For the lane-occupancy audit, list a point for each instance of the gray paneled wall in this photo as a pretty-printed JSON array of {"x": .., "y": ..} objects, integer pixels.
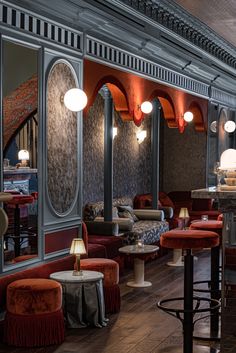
[
  {"x": 184, "y": 162},
  {"x": 131, "y": 161}
]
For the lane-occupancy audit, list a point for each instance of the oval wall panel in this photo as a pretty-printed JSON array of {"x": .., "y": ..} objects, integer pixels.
[{"x": 62, "y": 154}]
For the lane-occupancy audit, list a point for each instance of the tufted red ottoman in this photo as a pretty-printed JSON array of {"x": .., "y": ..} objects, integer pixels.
[
  {"x": 110, "y": 270},
  {"x": 34, "y": 316}
]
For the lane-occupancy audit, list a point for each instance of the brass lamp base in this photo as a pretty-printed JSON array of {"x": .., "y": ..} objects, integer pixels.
[{"x": 77, "y": 273}]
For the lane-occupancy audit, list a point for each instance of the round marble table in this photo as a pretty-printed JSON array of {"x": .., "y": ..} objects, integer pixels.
[{"x": 139, "y": 254}]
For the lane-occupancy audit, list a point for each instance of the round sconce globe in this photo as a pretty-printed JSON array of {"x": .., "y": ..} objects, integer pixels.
[
  {"x": 146, "y": 107},
  {"x": 75, "y": 99},
  {"x": 188, "y": 116},
  {"x": 213, "y": 126},
  {"x": 230, "y": 126}
]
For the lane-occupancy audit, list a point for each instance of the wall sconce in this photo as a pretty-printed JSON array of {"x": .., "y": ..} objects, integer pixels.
[
  {"x": 230, "y": 126},
  {"x": 213, "y": 126},
  {"x": 141, "y": 135},
  {"x": 188, "y": 116},
  {"x": 114, "y": 132},
  {"x": 146, "y": 107},
  {"x": 77, "y": 248},
  {"x": 23, "y": 155},
  {"x": 75, "y": 99}
]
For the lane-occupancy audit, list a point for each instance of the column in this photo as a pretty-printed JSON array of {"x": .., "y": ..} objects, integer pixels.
[{"x": 155, "y": 141}]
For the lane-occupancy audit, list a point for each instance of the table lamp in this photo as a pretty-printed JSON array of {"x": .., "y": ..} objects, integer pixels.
[
  {"x": 184, "y": 215},
  {"x": 77, "y": 248},
  {"x": 23, "y": 155}
]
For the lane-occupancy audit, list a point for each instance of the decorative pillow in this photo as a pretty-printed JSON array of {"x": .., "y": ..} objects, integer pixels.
[
  {"x": 127, "y": 212},
  {"x": 114, "y": 212}
]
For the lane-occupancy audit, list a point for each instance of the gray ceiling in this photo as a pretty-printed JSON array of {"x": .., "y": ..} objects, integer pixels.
[{"x": 219, "y": 15}]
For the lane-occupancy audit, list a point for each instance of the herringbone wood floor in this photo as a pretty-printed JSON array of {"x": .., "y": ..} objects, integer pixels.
[{"x": 139, "y": 327}]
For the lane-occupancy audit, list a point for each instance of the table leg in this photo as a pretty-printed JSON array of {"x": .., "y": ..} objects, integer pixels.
[
  {"x": 177, "y": 258},
  {"x": 139, "y": 275}
]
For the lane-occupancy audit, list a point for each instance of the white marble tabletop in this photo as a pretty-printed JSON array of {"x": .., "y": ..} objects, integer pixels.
[
  {"x": 135, "y": 249},
  {"x": 67, "y": 276}
]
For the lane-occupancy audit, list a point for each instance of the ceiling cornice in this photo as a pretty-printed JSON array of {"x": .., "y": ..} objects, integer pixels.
[{"x": 174, "y": 18}]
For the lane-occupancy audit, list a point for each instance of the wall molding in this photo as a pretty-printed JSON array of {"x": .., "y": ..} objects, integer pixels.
[
  {"x": 110, "y": 54},
  {"x": 29, "y": 23}
]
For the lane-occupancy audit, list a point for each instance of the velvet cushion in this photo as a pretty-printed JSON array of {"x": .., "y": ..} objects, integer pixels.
[
  {"x": 34, "y": 296},
  {"x": 96, "y": 250},
  {"x": 215, "y": 226},
  {"x": 165, "y": 200},
  {"x": 127, "y": 212},
  {"x": 189, "y": 239},
  {"x": 112, "y": 244},
  {"x": 109, "y": 268},
  {"x": 220, "y": 217}
]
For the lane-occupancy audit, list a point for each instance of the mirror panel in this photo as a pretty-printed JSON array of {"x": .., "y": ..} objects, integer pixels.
[{"x": 20, "y": 133}]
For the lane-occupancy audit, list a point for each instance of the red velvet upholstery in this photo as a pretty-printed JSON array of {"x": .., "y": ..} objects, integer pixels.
[
  {"x": 34, "y": 296},
  {"x": 63, "y": 264},
  {"x": 96, "y": 250},
  {"x": 34, "y": 313},
  {"x": 93, "y": 250},
  {"x": 110, "y": 269},
  {"x": 220, "y": 217},
  {"x": 111, "y": 243},
  {"x": 214, "y": 226},
  {"x": 189, "y": 239}
]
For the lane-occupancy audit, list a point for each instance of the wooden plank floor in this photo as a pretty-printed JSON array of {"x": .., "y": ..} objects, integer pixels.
[{"x": 139, "y": 327}]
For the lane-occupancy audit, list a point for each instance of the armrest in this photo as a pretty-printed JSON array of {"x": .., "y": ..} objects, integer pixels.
[
  {"x": 168, "y": 211},
  {"x": 123, "y": 223},
  {"x": 157, "y": 215},
  {"x": 102, "y": 228}
]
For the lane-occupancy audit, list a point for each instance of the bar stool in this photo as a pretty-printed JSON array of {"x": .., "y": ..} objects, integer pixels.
[
  {"x": 188, "y": 240},
  {"x": 16, "y": 202},
  {"x": 214, "y": 283}
]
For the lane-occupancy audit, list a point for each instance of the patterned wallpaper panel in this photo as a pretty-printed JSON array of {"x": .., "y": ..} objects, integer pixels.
[
  {"x": 93, "y": 152},
  {"x": 184, "y": 162},
  {"x": 61, "y": 140},
  {"x": 131, "y": 161}
]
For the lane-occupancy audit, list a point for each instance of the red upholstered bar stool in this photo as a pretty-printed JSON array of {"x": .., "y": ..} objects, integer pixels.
[
  {"x": 188, "y": 240},
  {"x": 34, "y": 314},
  {"x": 17, "y": 201},
  {"x": 214, "y": 283}
]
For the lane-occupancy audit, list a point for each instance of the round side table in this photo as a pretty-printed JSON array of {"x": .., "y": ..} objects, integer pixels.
[{"x": 139, "y": 254}]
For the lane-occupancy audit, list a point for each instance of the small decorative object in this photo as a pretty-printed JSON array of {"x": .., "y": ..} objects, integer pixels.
[
  {"x": 204, "y": 217},
  {"x": 184, "y": 215},
  {"x": 77, "y": 248},
  {"x": 140, "y": 243},
  {"x": 24, "y": 156}
]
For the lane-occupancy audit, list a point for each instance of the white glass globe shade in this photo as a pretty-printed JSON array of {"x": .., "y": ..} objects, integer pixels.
[
  {"x": 188, "y": 116},
  {"x": 146, "y": 107},
  {"x": 213, "y": 126},
  {"x": 229, "y": 126},
  {"x": 23, "y": 154},
  {"x": 228, "y": 159},
  {"x": 75, "y": 99}
]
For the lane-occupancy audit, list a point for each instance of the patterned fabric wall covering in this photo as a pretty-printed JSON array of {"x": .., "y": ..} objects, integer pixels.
[
  {"x": 184, "y": 164},
  {"x": 93, "y": 152},
  {"x": 61, "y": 140},
  {"x": 131, "y": 161}
]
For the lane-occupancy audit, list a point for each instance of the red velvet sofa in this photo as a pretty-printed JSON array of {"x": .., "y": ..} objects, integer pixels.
[{"x": 176, "y": 200}]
